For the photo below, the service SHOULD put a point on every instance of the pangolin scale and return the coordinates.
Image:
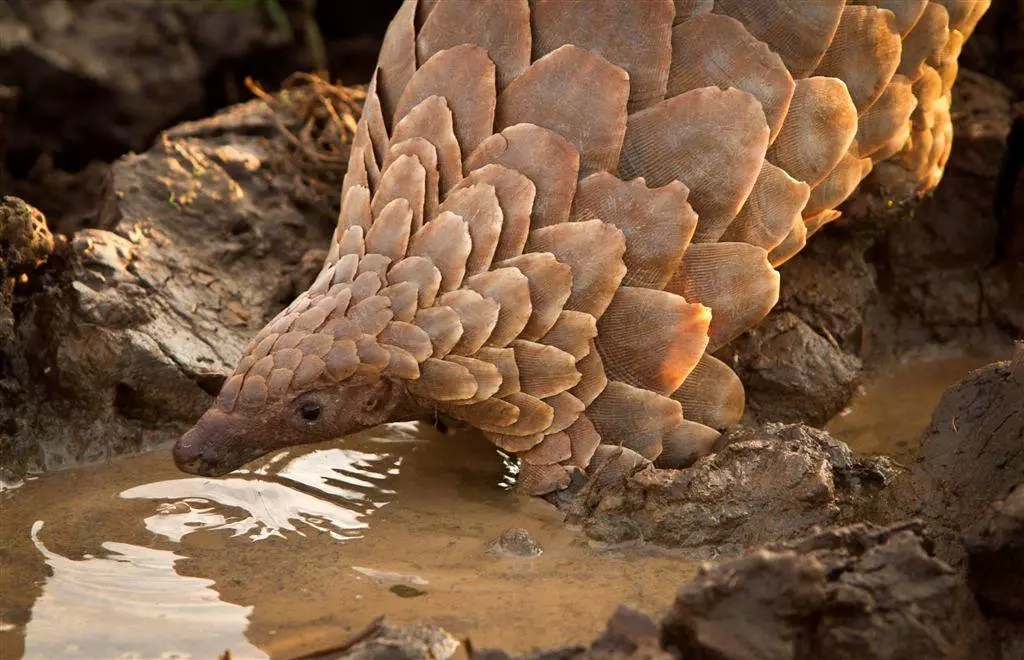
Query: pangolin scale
(556, 210)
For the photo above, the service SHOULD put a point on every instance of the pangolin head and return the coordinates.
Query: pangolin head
(318, 371)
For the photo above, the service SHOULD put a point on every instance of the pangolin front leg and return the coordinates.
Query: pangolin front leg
(555, 212)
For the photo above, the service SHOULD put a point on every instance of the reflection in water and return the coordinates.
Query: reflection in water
(131, 604)
(270, 507)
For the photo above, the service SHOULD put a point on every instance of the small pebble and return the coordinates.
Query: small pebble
(515, 543)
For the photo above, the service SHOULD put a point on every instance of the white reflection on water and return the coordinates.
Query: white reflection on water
(131, 604)
(350, 480)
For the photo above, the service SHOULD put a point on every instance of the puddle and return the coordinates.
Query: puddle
(891, 411)
(135, 560)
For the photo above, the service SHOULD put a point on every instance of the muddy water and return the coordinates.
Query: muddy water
(134, 559)
(890, 412)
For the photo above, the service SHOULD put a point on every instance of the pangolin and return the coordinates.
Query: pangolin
(555, 211)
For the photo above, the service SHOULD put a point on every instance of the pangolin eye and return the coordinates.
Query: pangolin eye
(310, 411)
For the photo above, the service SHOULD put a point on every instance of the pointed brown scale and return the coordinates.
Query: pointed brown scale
(819, 220)
(537, 480)
(712, 394)
(261, 367)
(282, 323)
(927, 38)
(373, 118)
(487, 376)
(342, 328)
(572, 333)
(342, 294)
(371, 354)
(550, 284)
(885, 118)
(253, 393)
(714, 141)
(511, 290)
(818, 130)
(341, 361)
(287, 358)
(949, 66)
(770, 210)
(594, 251)
(316, 344)
(515, 195)
(685, 444)
(544, 370)
(403, 183)
(442, 325)
(432, 120)
(478, 206)
(795, 241)
(309, 320)
(928, 91)
(556, 23)
(278, 383)
(513, 443)
(356, 174)
(799, 31)
(262, 349)
(583, 440)
(408, 337)
(443, 381)
(864, 53)
(371, 315)
(591, 117)
(403, 298)
(367, 170)
(288, 340)
(308, 371)
(542, 155)
(396, 62)
(464, 76)
(712, 50)
(505, 361)
(838, 185)
(365, 375)
(389, 234)
(245, 364)
(534, 417)
(355, 209)
(351, 242)
(477, 314)
(734, 279)
(401, 365)
(687, 9)
(421, 272)
(592, 377)
(657, 223)
(345, 269)
(652, 339)
(634, 418)
(501, 27)
(567, 410)
(554, 448)
(374, 263)
(322, 282)
(612, 465)
(963, 14)
(490, 415)
(893, 145)
(906, 12)
(365, 285)
(423, 9)
(423, 151)
(445, 241)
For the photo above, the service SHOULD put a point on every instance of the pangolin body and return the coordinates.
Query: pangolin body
(556, 210)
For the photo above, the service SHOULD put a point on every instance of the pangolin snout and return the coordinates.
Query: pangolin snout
(213, 447)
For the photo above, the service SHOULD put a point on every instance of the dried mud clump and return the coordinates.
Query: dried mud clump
(854, 592)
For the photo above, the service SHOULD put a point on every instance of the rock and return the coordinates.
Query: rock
(415, 642)
(792, 373)
(515, 543)
(972, 452)
(856, 592)
(760, 485)
(995, 546)
(122, 347)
